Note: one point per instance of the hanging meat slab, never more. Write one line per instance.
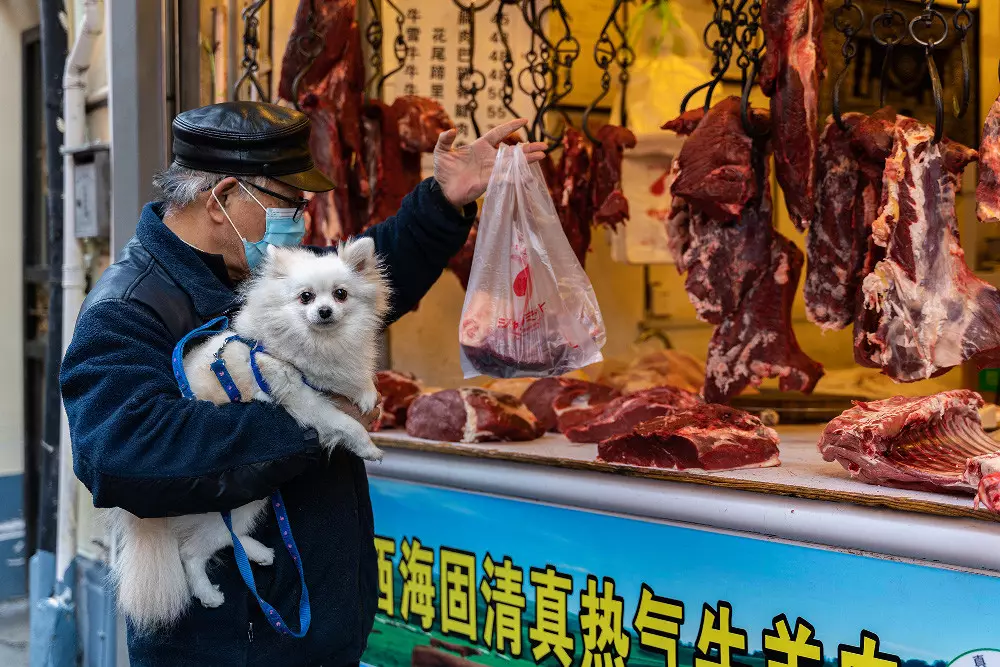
(927, 443)
(988, 191)
(330, 92)
(741, 274)
(384, 158)
(570, 190)
(709, 437)
(793, 65)
(933, 313)
(718, 178)
(610, 205)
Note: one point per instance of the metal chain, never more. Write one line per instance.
(605, 54)
(884, 32)
(471, 80)
(373, 35)
(843, 21)
(507, 85)
(927, 18)
(399, 49)
(719, 37)
(251, 49)
(963, 23)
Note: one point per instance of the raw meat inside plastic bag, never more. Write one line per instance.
(530, 310)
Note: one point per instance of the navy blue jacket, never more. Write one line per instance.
(139, 446)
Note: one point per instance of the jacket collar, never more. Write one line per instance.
(210, 297)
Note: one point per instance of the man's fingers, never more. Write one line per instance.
(534, 157)
(535, 147)
(500, 132)
(446, 139)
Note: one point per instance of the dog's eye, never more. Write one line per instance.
(340, 294)
(306, 297)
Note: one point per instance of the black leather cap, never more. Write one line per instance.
(249, 139)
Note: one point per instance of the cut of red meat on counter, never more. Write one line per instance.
(709, 437)
(586, 422)
(988, 191)
(471, 415)
(741, 274)
(927, 443)
(983, 474)
(610, 205)
(793, 66)
(932, 312)
(398, 390)
(544, 395)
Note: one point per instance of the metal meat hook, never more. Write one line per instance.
(605, 54)
(314, 37)
(849, 29)
(963, 23)
(928, 17)
(887, 20)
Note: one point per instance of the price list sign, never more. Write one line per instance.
(438, 40)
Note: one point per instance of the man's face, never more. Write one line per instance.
(246, 208)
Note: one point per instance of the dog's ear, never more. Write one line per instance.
(358, 254)
(277, 262)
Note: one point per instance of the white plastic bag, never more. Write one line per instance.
(530, 310)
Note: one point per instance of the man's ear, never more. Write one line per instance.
(223, 191)
(358, 254)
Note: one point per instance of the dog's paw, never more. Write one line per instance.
(368, 401)
(370, 452)
(264, 557)
(211, 599)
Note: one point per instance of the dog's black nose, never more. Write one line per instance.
(325, 312)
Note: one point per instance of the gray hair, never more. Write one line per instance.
(180, 186)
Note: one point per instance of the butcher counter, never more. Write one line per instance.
(500, 553)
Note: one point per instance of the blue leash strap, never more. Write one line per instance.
(243, 564)
(216, 326)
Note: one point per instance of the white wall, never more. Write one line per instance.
(15, 17)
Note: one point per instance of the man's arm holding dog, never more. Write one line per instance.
(138, 445)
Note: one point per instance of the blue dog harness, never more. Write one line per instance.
(216, 326)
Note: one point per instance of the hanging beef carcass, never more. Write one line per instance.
(838, 247)
(610, 204)
(741, 274)
(928, 312)
(988, 192)
(793, 66)
(570, 191)
(329, 90)
(396, 136)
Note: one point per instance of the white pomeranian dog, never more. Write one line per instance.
(318, 318)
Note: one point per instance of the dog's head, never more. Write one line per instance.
(299, 292)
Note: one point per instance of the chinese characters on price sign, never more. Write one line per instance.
(543, 616)
(437, 39)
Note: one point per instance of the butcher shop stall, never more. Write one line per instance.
(741, 406)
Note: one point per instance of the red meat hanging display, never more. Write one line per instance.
(610, 205)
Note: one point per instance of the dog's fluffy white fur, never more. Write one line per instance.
(318, 317)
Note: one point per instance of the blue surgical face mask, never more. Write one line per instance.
(282, 228)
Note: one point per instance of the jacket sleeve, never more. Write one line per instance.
(137, 444)
(417, 243)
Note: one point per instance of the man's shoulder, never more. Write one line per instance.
(136, 279)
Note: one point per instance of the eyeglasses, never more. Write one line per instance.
(299, 203)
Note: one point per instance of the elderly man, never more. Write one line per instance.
(235, 187)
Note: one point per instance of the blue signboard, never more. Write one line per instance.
(468, 578)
